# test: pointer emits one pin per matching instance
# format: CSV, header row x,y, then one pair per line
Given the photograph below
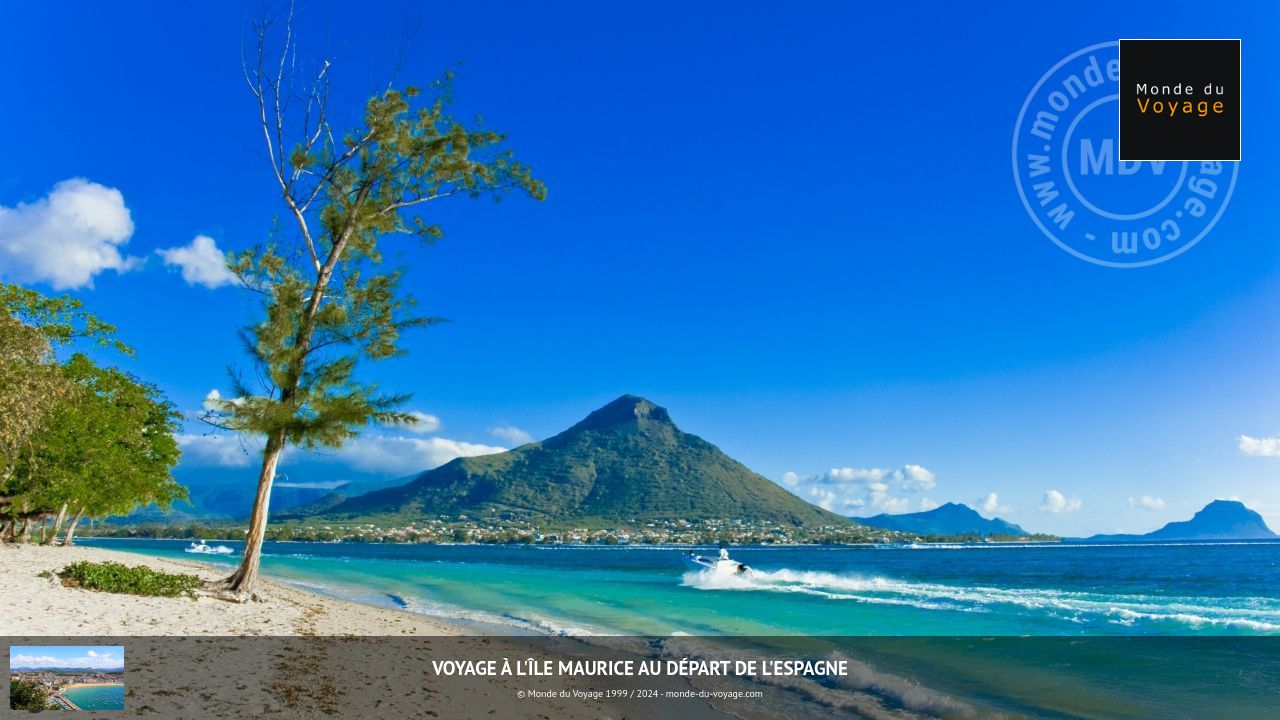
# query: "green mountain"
x,y
625,463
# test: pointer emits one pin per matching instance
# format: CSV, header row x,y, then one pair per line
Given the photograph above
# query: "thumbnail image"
x,y
66,677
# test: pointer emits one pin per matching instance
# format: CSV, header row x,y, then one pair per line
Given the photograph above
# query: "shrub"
x,y
27,696
117,578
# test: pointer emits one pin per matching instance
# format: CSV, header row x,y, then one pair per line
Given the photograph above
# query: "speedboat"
x,y
718,565
204,548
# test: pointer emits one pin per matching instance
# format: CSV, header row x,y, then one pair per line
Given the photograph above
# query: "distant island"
x,y
949,519
1219,520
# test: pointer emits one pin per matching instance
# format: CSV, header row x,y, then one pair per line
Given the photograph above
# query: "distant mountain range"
x,y
1219,520
948,519
625,462
225,500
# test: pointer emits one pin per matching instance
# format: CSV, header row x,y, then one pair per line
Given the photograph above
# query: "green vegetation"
x,y
76,439
626,464
28,696
329,300
117,578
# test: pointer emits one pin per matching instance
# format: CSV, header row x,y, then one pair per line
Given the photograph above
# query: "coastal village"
x,y
505,529
54,682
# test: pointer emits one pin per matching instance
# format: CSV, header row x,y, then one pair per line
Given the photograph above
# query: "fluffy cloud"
x,y
1147,502
865,491
392,455
396,455
1058,504
991,505
426,423
1260,447
66,238
201,262
92,660
221,450
511,434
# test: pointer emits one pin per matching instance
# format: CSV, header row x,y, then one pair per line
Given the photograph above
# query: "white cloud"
x,y
511,434
1260,447
1058,504
221,450
426,423
214,402
201,262
91,660
865,491
396,455
66,238
392,455
991,505
1147,502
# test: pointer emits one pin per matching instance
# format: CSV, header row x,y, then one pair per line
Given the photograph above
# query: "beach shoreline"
x,y
41,606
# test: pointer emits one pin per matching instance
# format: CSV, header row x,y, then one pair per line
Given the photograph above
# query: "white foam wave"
x,y
1240,614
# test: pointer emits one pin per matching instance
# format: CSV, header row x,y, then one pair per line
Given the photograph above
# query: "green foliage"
x,y
329,300
75,436
28,696
626,462
62,320
118,578
30,387
105,448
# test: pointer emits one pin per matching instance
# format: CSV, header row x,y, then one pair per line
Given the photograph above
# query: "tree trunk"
x,y
25,536
245,579
57,526
71,529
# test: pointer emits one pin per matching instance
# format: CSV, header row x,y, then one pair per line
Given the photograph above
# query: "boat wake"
x,y
1136,613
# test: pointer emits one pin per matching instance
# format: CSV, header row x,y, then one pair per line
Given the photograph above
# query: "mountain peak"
x,y
624,463
1219,520
625,409
948,519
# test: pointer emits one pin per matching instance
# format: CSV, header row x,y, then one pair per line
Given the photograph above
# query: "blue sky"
x,y
92,657
794,227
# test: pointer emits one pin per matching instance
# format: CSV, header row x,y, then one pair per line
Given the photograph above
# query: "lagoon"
x,y
1213,588
96,697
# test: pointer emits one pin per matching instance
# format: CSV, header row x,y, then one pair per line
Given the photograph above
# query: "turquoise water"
x,y
103,697
974,590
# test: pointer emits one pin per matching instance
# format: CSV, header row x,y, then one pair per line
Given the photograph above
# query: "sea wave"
x,y
1152,613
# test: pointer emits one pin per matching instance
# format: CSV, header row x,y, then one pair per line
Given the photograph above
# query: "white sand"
x,y
190,658
32,605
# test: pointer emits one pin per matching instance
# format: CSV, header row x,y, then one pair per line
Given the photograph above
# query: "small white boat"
x,y
722,564
204,548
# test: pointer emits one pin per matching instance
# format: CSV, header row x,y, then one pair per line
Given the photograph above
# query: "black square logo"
x,y
1179,99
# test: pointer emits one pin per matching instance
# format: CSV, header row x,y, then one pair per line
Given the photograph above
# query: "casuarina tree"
x,y
329,300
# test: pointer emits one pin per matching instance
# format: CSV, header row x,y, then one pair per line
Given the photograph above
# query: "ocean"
x,y
97,697
1115,632
1218,588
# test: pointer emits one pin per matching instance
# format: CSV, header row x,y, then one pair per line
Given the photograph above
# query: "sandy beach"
x,y
298,654
34,605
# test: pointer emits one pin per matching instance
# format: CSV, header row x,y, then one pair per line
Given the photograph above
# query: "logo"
x,y
1067,167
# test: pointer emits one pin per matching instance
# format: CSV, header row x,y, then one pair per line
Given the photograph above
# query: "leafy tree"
x,y
31,325
74,436
329,299
29,696
110,448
